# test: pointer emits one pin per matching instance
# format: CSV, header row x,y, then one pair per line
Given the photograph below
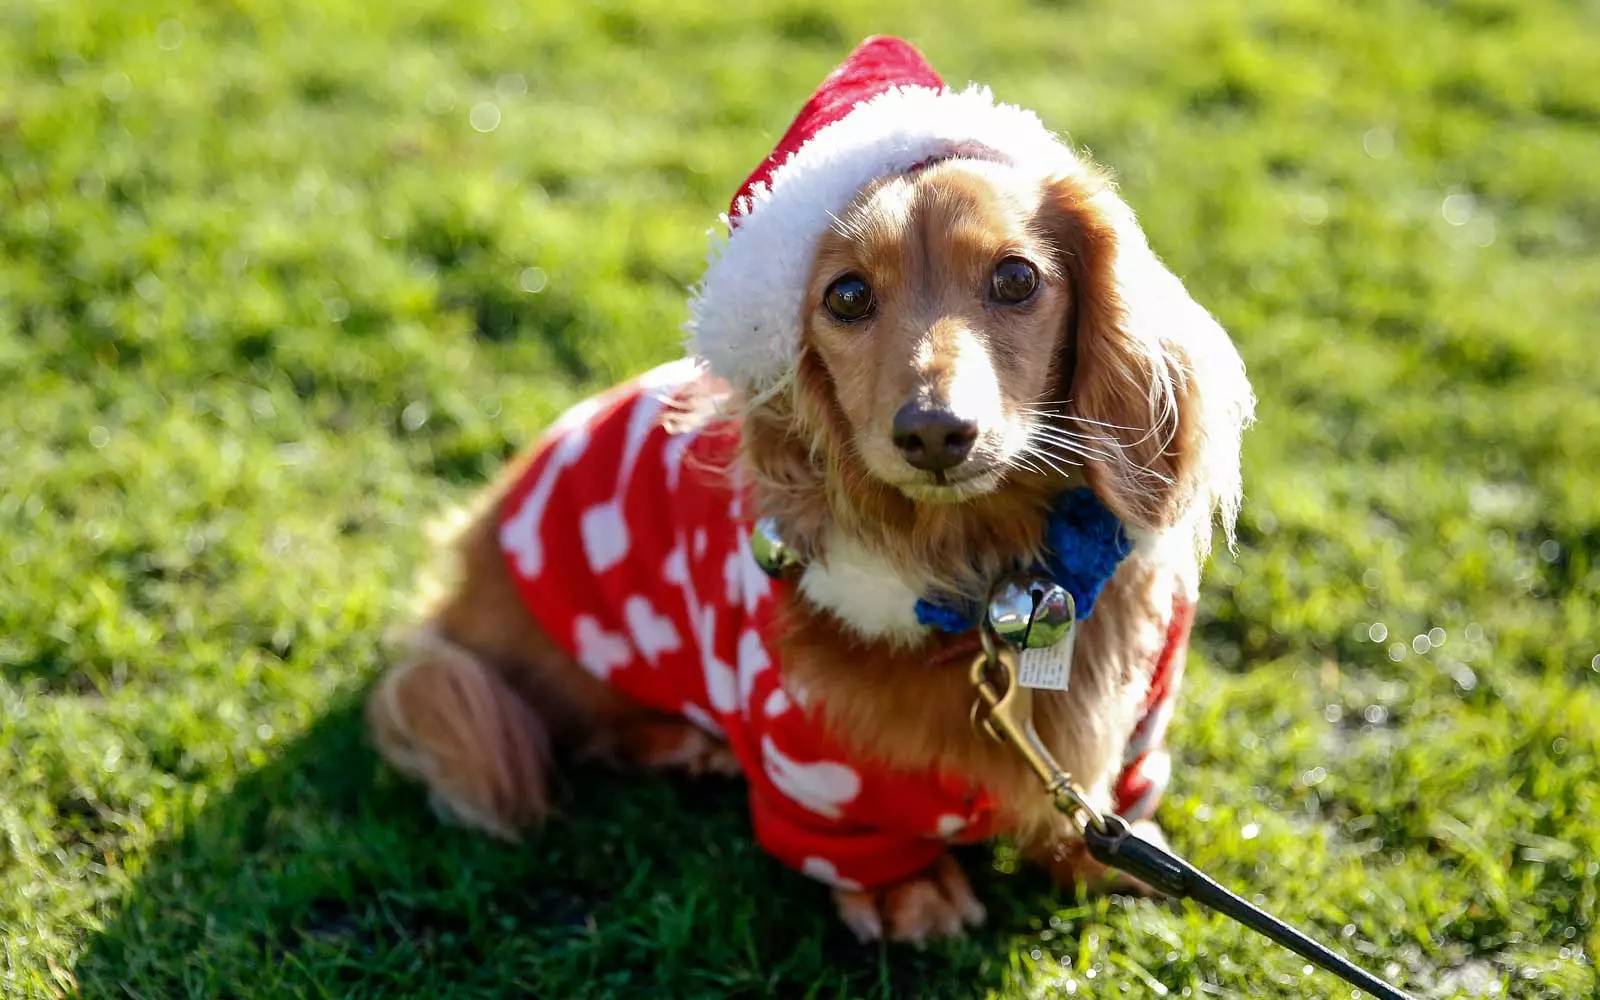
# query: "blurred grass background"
x,y
281,280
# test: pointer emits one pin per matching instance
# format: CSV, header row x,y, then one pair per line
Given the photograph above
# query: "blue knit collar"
x,y
1084,544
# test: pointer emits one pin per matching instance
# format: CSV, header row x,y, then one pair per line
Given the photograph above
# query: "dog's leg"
x,y
443,717
662,742
938,903
480,695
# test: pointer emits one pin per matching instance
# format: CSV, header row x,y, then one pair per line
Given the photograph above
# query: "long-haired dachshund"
x,y
934,348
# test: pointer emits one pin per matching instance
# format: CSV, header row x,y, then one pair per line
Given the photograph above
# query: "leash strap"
x,y
1003,711
1118,847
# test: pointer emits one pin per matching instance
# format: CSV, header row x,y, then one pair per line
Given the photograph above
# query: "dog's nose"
x,y
933,438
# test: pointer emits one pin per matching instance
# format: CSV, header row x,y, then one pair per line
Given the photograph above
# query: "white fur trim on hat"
x,y
745,314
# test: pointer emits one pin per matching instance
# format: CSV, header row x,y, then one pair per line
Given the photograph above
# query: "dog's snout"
x,y
933,438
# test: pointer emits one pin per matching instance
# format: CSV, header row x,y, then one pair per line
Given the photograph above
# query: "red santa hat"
x,y
881,112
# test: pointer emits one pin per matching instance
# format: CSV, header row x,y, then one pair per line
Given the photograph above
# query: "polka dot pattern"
x,y
630,548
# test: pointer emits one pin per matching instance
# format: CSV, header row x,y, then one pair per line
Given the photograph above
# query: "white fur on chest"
x,y
864,592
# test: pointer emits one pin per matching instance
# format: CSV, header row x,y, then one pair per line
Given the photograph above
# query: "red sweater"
x,y
629,543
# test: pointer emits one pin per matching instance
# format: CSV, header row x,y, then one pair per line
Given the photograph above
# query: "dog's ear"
x,y
1150,376
790,440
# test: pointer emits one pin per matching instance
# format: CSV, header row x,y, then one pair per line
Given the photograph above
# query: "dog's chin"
x,y
955,488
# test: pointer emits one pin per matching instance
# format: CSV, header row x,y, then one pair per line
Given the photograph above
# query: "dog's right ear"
x,y
1147,372
788,440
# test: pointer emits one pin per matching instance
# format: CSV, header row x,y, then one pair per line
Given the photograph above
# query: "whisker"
x,y
1135,471
1042,409
1059,435
850,230
1045,451
1084,448
1049,457
1098,423
1075,456
1021,462
1050,442
1149,432
1072,435
1051,460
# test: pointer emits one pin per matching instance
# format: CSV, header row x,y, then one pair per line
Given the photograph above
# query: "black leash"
x,y
1004,712
1118,847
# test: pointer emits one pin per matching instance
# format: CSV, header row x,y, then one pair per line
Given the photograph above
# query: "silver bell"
x,y
1030,612
771,552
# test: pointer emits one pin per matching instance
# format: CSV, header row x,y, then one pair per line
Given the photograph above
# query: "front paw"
x,y
937,903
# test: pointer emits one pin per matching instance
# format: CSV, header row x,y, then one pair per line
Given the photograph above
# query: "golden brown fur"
x,y
1109,366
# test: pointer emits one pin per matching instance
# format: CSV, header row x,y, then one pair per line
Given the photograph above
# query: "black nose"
x,y
933,438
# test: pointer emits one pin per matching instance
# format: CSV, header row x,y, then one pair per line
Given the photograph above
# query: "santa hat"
x,y
881,112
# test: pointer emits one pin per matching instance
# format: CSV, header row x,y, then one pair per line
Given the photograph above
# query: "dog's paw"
x,y
716,758
674,744
1070,864
937,903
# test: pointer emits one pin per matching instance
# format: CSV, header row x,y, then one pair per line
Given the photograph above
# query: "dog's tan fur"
x,y
481,695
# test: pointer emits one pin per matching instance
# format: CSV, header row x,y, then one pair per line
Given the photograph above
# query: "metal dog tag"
x,y
1040,619
1029,611
769,550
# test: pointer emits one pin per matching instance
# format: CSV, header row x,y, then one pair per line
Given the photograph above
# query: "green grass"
x,y
262,314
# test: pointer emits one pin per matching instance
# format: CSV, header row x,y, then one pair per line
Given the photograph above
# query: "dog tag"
x,y
1048,667
1030,611
769,550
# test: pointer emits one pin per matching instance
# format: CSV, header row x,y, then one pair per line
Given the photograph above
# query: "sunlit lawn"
x,y
280,281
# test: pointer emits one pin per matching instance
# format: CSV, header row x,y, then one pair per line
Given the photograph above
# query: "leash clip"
x,y
1003,711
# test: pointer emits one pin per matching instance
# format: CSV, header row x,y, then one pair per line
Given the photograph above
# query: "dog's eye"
x,y
849,298
1014,281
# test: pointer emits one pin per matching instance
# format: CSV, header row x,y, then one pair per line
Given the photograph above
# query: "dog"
x,y
934,348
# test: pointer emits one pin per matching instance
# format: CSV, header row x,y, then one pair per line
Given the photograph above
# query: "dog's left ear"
x,y
1148,373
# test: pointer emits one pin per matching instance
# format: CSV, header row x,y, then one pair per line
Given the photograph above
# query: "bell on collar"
x,y
771,552
1030,612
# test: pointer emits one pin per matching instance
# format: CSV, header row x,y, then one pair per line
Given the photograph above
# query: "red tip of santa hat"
x,y
878,64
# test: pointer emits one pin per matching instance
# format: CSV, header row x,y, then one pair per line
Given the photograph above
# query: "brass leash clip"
x,y
1003,711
